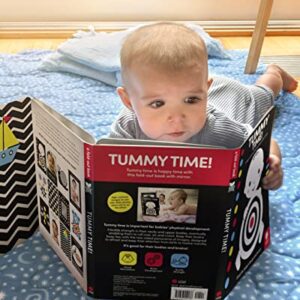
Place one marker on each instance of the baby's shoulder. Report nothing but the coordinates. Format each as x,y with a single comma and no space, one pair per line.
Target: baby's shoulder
224,131
126,114
126,126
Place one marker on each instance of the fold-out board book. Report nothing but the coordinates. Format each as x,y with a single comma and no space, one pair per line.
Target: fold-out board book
137,219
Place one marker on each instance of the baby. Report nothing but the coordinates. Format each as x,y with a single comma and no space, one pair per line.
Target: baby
55,231
177,204
168,96
74,192
51,163
161,198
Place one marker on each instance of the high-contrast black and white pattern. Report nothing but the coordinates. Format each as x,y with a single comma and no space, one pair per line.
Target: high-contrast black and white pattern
18,201
53,197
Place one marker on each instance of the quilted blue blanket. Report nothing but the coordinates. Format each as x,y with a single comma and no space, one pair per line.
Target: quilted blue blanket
32,270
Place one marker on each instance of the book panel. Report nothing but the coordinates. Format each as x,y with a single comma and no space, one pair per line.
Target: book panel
18,202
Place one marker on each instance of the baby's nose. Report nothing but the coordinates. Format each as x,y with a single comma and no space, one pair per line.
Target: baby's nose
176,117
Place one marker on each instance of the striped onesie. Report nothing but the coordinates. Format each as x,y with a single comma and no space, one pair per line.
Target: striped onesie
233,110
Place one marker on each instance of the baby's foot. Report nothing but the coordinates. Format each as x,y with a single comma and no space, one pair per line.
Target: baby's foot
289,83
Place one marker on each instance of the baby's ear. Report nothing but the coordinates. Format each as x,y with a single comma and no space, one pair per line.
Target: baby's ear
209,82
124,97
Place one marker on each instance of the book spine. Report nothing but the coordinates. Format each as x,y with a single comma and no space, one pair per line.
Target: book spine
226,248
89,198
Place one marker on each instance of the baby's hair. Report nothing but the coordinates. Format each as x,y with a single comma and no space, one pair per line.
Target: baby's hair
181,194
165,45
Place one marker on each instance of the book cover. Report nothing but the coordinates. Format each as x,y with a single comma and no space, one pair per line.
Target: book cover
150,220
145,246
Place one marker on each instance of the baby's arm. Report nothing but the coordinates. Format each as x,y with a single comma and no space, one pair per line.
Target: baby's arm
273,180
182,209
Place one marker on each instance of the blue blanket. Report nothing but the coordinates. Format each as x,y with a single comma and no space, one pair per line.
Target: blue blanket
32,270
97,54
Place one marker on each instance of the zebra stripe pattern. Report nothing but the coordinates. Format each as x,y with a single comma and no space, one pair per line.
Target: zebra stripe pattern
18,198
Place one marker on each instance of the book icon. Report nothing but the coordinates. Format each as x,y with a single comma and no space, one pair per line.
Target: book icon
128,258
153,259
8,143
179,261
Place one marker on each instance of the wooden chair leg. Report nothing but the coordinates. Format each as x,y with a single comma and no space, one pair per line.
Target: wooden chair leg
262,19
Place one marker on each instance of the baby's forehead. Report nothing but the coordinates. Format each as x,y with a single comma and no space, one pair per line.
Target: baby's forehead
176,193
168,67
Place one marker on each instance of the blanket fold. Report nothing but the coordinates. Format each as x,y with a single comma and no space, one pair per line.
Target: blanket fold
96,54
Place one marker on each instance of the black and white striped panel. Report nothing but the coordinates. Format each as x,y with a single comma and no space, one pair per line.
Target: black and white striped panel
18,202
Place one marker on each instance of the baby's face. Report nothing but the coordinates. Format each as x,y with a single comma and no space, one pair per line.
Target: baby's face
54,229
161,198
74,185
51,162
169,107
174,201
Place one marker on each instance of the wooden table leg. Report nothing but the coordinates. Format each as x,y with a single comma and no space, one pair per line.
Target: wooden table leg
262,19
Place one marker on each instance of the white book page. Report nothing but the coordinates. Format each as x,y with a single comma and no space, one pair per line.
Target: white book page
61,186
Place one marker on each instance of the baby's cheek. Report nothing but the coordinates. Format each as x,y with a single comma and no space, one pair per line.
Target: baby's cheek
149,126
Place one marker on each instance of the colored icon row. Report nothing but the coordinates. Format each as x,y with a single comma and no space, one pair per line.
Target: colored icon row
154,259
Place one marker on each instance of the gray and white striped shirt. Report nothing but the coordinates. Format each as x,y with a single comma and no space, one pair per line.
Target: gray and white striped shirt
233,110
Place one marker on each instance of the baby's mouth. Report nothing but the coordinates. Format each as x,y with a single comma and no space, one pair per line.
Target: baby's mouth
176,134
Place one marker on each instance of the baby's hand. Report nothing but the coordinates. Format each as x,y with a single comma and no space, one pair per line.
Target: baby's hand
273,180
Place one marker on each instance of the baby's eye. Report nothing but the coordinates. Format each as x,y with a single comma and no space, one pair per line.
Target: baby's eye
157,103
191,100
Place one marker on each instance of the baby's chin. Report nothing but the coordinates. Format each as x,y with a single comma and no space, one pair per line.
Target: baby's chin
169,136
173,138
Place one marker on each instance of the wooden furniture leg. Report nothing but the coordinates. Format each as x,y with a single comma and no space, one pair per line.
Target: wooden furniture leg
262,19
